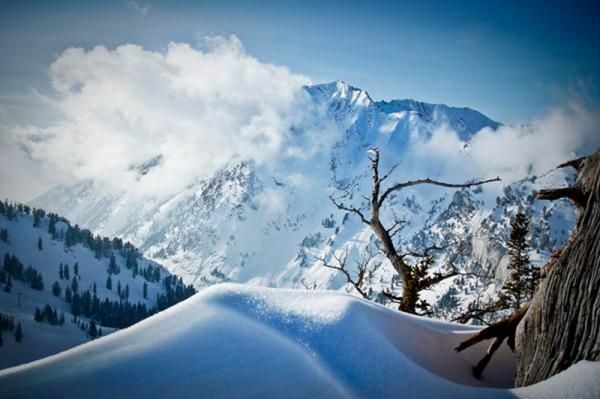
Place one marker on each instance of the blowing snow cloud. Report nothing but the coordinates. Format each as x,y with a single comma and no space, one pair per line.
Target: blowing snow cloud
153,122
174,116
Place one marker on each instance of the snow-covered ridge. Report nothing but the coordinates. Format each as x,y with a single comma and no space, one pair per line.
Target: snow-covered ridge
239,341
343,98
75,270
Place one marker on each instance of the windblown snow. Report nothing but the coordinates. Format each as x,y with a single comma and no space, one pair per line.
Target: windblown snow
241,341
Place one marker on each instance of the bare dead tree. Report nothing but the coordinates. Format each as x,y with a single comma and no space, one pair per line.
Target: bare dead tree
415,276
364,269
307,286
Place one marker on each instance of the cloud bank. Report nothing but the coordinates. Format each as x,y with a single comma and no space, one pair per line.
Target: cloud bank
190,110
152,123
513,152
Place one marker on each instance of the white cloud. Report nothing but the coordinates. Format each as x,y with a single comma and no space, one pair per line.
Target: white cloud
198,109
512,152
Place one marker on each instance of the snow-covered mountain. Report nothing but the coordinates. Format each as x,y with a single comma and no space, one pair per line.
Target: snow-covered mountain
233,341
62,286
265,224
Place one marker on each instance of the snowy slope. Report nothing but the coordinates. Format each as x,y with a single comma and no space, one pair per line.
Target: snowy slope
41,339
238,341
265,225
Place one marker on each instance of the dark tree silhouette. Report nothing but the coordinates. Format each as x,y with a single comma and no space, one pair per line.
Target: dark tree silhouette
415,276
56,290
520,286
19,333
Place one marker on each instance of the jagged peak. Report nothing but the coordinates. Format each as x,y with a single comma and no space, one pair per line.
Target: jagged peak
340,90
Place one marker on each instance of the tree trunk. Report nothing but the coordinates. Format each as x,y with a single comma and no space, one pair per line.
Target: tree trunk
562,325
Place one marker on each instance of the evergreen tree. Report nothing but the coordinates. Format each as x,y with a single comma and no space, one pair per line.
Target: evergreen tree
66,272
8,285
52,226
68,294
76,268
93,330
113,268
19,333
76,304
61,274
34,278
74,284
38,315
39,244
70,237
56,290
4,235
36,218
145,290
119,288
109,283
520,286
1,339
6,261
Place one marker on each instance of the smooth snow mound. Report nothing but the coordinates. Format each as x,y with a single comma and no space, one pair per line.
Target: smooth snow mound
233,341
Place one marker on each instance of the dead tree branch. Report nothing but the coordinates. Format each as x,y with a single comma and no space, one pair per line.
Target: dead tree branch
356,211
576,164
410,183
364,269
572,193
415,277
478,313
503,329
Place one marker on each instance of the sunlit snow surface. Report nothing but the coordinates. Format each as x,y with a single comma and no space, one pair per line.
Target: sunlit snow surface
234,341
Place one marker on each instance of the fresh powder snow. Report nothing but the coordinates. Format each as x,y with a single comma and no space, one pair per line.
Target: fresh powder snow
241,341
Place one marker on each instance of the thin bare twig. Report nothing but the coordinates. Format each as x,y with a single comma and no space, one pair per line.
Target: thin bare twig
349,209
363,273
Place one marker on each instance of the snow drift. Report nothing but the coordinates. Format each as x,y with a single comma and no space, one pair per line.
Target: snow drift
240,341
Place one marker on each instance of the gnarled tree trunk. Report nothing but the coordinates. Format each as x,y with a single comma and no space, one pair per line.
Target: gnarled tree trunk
562,324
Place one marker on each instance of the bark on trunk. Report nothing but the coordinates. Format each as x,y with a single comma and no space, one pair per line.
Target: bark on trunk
562,325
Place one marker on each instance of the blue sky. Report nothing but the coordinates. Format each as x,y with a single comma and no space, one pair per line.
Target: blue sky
510,60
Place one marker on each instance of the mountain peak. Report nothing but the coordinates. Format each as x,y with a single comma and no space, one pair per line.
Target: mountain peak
340,91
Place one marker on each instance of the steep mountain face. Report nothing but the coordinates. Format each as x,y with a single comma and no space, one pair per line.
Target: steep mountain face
265,225
62,286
